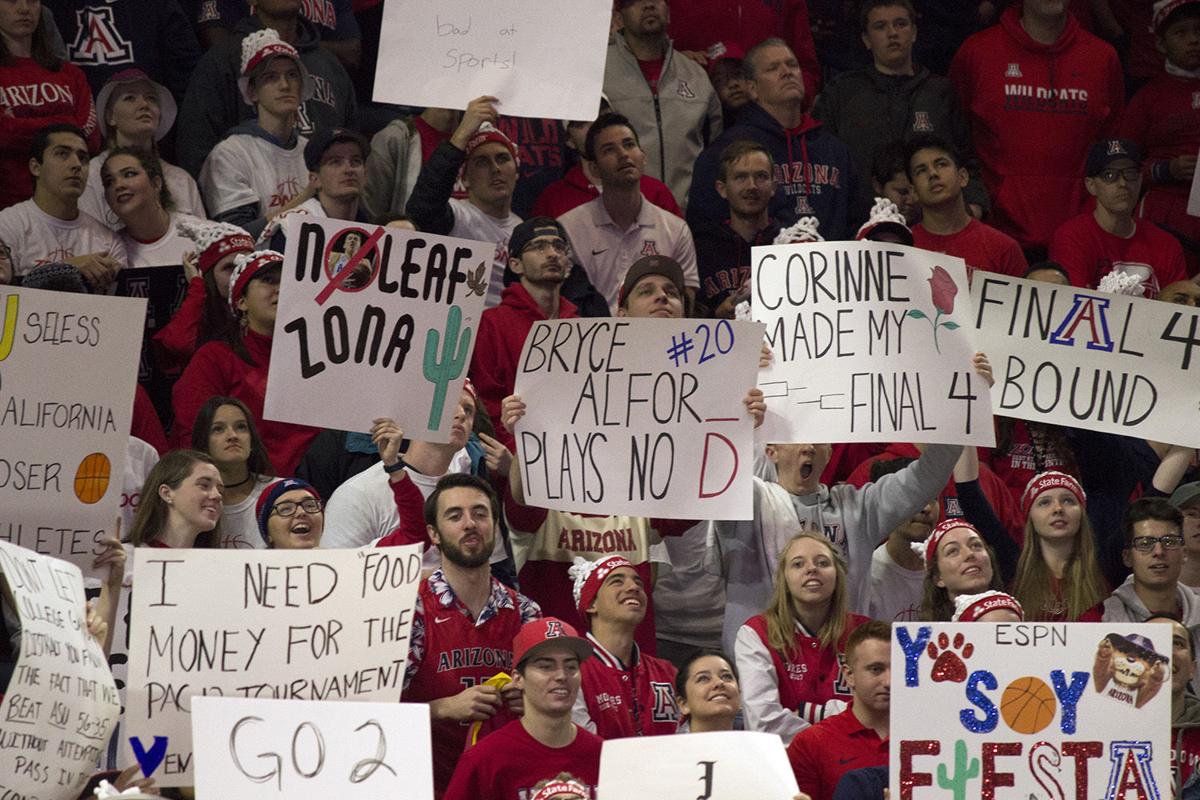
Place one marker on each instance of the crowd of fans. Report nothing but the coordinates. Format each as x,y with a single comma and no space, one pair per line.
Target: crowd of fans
1049,139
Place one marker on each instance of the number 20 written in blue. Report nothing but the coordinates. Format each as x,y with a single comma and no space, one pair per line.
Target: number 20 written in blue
720,336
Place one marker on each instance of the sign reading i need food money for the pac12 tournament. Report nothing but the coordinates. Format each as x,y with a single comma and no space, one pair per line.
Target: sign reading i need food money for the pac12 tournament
872,342
68,366
374,322
1061,711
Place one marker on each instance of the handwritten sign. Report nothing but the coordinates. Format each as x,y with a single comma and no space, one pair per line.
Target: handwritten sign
641,417
1030,710
251,749
872,343
68,364
540,60
374,309
714,766
283,625
61,705
1193,206
1089,359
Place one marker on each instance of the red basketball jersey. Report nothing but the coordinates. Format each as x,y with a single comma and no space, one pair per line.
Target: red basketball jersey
458,654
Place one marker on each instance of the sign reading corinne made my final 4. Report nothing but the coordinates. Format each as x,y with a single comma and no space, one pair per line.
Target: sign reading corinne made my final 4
252,749
872,342
68,365
60,706
1089,359
1047,710
259,624
639,416
374,322
540,60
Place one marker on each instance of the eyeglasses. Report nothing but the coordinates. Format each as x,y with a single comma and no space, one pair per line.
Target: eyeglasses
1145,544
545,245
311,505
1130,174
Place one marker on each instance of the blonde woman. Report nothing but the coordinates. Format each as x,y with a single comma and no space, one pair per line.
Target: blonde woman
790,656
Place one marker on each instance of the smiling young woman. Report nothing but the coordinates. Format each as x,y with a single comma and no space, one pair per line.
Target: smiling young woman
791,654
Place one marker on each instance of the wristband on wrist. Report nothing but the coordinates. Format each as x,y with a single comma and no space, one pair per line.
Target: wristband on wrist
399,465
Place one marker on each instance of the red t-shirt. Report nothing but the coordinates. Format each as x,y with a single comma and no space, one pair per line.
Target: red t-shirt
981,246
510,762
811,675
1022,460
1185,755
822,754
629,701
458,654
1088,252
652,71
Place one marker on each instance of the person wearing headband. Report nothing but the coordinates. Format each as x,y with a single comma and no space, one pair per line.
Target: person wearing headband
957,562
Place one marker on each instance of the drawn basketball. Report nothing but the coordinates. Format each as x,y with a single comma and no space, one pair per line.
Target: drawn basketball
1028,705
91,479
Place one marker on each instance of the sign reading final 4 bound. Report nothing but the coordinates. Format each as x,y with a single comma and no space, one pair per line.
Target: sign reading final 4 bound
1077,711
374,322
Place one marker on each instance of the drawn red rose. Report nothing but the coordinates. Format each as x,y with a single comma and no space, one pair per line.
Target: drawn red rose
942,288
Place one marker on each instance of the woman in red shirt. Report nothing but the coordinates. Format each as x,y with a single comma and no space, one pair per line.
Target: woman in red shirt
37,88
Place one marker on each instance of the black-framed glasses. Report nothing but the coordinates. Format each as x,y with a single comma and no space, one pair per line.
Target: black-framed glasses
287,508
1145,544
543,246
1130,174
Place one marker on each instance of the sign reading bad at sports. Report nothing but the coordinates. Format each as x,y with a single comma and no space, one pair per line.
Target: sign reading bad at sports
259,624
1089,359
68,366
700,766
641,417
872,343
1057,710
539,60
250,749
374,322
60,705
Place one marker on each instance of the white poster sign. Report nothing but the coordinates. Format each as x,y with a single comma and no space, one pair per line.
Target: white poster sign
641,417
60,707
715,766
539,59
1193,206
68,365
256,749
268,624
872,342
364,310
1056,710
1089,359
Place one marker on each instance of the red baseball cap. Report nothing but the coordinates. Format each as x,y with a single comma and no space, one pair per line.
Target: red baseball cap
541,634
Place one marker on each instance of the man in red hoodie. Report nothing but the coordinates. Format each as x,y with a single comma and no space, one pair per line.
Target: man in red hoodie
1164,120
540,257
706,29
1038,90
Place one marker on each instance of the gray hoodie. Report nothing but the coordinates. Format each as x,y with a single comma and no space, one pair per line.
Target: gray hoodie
856,520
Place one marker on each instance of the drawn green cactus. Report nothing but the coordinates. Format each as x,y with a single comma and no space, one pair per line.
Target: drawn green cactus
962,772
440,373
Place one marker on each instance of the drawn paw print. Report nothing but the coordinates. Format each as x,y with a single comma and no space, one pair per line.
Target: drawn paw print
947,664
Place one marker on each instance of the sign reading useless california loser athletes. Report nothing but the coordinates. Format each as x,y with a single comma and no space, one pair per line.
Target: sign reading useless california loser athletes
641,417
374,322
1016,710
872,342
1089,359
68,365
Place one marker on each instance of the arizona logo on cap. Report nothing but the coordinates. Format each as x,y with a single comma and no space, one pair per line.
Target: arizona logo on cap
554,628
1115,148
